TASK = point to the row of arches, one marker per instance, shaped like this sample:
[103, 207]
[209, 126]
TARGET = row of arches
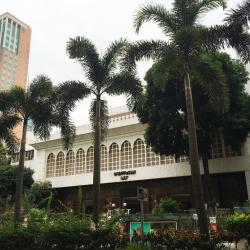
[139, 155]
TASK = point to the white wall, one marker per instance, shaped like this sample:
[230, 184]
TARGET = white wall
[131, 133]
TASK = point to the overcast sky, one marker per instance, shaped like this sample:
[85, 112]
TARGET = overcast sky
[53, 22]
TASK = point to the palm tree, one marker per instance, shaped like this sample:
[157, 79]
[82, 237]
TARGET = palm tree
[38, 104]
[102, 78]
[186, 38]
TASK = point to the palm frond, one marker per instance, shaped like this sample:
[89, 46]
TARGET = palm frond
[40, 87]
[201, 7]
[68, 131]
[126, 84]
[13, 100]
[103, 116]
[212, 81]
[112, 53]
[153, 49]
[222, 36]
[85, 52]
[68, 93]
[206, 5]
[65, 97]
[39, 105]
[61, 119]
[41, 116]
[157, 13]
[240, 15]
[7, 124]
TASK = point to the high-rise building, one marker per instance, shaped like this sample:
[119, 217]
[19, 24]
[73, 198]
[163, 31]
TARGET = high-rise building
[14, 54]
[14, 51]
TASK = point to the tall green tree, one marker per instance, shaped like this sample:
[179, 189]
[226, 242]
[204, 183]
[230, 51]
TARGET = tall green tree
[40, 104]
[8, 180]
[186, 38]
[164, 100]
[103, 77]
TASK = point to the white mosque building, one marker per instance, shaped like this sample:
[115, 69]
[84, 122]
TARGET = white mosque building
[127, 162]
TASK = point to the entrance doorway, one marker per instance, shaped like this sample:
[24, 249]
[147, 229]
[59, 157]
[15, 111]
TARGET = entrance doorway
[132, 204]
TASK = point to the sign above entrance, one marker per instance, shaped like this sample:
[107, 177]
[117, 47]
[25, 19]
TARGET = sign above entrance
[131, 172]
[124, 174]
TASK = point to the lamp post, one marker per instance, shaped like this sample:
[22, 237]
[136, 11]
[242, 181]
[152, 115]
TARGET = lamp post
[124, 205]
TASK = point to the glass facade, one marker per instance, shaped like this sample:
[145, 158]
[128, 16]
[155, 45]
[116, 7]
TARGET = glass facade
[9, 33]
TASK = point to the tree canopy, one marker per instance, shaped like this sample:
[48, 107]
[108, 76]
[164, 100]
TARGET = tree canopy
[163, 106]
[8, 180]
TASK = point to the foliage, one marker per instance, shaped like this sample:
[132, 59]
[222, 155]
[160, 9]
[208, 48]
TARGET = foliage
[180, 239]
[58, 231]
[166, 205]
[39, 103]
[239, 225]
[8, 180]
[113, 222]
[66, 231]
[41, 220]
[7, 123]
[163, 106]
[4, 154]
[103, 77]
[184, 239]
[39, 193]
[134, 246]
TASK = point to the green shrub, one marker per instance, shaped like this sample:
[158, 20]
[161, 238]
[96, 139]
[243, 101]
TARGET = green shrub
[20, 239]
[134, 246]
[40, 220]
[167, 205]
[64, 231]
[39, 193]
[239, 225]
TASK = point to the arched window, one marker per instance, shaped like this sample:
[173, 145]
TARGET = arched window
[152, 158]
[70, 163]
[104, 158]
[113, 157]
[167, 159]
[50, 171]
[60, 164]
[126, 155]
[80, 161]
[90, 160]
[182, 158]
[139, 153]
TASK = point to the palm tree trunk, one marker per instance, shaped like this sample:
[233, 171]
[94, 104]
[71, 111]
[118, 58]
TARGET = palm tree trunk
[19, 177]
[210, 201]
[222, 143]
[194, 158]
[207, 178]
[97, 163]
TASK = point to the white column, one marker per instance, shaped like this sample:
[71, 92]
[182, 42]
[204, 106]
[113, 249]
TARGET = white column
[5, 30]
[1, 33]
